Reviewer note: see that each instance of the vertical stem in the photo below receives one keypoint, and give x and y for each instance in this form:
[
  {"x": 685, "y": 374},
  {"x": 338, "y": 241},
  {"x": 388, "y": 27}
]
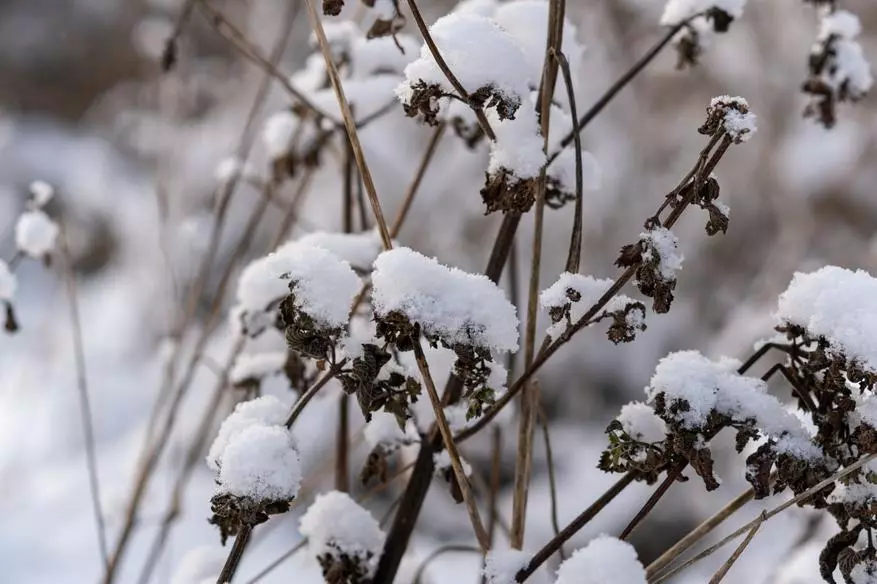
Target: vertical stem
[{"x": 237, "y": 552}]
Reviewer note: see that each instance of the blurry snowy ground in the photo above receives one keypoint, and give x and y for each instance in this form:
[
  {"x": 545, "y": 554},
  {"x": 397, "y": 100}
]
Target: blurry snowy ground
[{"x": 82, "y": 106}]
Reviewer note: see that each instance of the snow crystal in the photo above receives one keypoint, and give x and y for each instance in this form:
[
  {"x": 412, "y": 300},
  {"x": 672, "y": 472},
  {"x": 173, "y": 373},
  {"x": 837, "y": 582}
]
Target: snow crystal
[
  {"x": 480, "y": 54},
  {"x": 278, "y": 133},
  {"x": 35, "y": 233},
  {"x": 838, "y": 304},
  {"x": 678, "y": 11},
  {"x": 262, "y": 411},
  {"x": 8, "y": 282},
  {"x": 641, "y": 423},
  {"x": 458, "y": 307},
  {"x": 663, "y": 242},
  {"x": 256, "y": 366},
  {"x": 41, "y": 192},
  {"x": 324, "y": 287},
  {"x": 357, "y": 249},
  {"x": 589, "y": 289},
  {"x": 851, "y": 66},
  {"x": 383, "y": 431},
  {"x": 200, "y": 565},
  {"x": 501, "y": 565},
  {"x": 335, "y": 524},
  {"x": 605, "y": 559},
  {"x": 260, "y": 462},
  {"x": 709, "y": 386},
  {"x": 442, "y": 462}
]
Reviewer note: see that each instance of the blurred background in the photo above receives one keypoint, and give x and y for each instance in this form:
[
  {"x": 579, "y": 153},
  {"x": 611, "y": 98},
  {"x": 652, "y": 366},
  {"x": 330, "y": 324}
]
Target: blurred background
[{"x": 133, "y": 154}]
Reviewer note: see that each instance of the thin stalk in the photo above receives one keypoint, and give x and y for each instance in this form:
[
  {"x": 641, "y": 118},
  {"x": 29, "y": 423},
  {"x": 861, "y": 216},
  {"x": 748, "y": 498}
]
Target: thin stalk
[
  {"x": 574, "y": 257},
  {"x": 723, "y": 569},
  {"x": 524, "y": 463},
  {"x": 350, "y": 126},
  {"x": 552, "y": 482},
  {"x": 84, "y": 400},
  {"x": 312, "y": 391},
  {"x": 237, "y": 552},
  {"x": 425, "y": 161},
  {"x": 653, "y": 500},
  {"x": 453, "y": 453},
  {"x": 575, "y": 525}
]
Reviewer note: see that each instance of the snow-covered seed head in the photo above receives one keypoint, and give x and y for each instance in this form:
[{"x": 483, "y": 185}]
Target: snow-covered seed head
[{"x": 731, "y": 115}]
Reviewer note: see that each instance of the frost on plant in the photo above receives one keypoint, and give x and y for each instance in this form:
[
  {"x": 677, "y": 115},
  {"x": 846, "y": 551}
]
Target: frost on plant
[
  {"x": 731, "y": 115},
  {"x": 501, "y": 565},
  {"x": 604, "y": 559},
  {"x": 257, "y": 467},
  {"x": 700, "y": 20},
  {"x": 344, "y": 538},
  {"x": 838, "y": 69},
  {"x": 572, "y": 296},
  {"x": 467, "y": 313}
]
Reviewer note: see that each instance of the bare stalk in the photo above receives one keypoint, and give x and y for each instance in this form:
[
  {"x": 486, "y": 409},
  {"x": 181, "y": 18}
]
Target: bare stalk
[
  {"x": 408, "y": 199},
  {"x": 313, "y": 390},
  {"x": 723, "y": 569},
  {"x": 84, "y": 400}
]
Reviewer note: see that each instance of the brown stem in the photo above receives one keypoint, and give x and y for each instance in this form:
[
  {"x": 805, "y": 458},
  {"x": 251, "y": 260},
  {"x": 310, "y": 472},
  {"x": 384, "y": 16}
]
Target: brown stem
[
  {"x": 653, "y": 500},
  {"x": 723, "y": 569},
  {"x": 575, "y": 525},
  {"x": 312, "y": 391},
  {"x": 552, "y": 481},
  {"x": 235, "y": 555},
  {"x": 524, "y": 463},
  {"x": 574, "y": 257},
  {"x": 418, "y": 178}
]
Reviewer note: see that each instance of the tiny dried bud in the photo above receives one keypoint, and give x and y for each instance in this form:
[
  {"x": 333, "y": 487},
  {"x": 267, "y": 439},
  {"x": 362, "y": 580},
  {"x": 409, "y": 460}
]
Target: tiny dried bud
[{"x": 332, "y": 7}]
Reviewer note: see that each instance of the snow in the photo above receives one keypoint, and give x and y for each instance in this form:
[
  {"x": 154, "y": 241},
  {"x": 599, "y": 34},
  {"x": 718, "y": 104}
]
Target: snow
[
  {"x": 739, "y": 125},
  {"x": 278, "y": 133},
  {"x": 200, "y": 565},
  {"x": 256, "y": 366},
  {"x": 357, "y": 249},
  {"x": 709, "y": 386},
  {"x": 838, "y": 304},
  {"x": 501, "y": 565},
  {"x": 335, "y": 524},
  {"x": 35, "y": 233},
  {"x": 641, "y": 423},
  {"x": 605, "y": 559},
  {"x": 442, "y": 462},
  {"x": 8, "y": 282},
  {"x": 42, "y": 192},
  {"x": 383, "y": 431},
  {"x": 519, "y": 145},
  {"x": 664, "y": 243},
  {"x": 678, "y": 11},
  {"x": 590, "y": 289},
  {"x": 381, "y": 55},
  {"x": 260, "y": 463},
  {"x": 457, "y": 307},
  {"x": 480, "y": 54},
  {"x": 864, "y": 573},
  {"x": 563, "y": 169},
  {"x": 850, "y": 64},
  {"x": 484, "y": 8},
  {"x": 262, "y": 411},
  {"x": 324, "y": 287}
]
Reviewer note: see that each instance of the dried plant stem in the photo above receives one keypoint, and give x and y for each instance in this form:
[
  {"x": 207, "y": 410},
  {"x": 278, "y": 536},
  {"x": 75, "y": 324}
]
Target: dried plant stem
[
  {"x": 237, "y": 552},
  {"x": 453, "y": 453},
  {"x": 552, "y": 482},
  {"x": 408, "y": 199},
  {"x": 169, "y": 53},
  {"x": 84, "y": 400},
  {"x": 493, "y": 491},
  {"x": 574, "y": 257},
  {"x": 233, "y": 34},
  {"x": 312, "y": 391},
  {"x": 723, "y": 569},
  {"x": 570, "y": 530},
  {"x": 699, "y": 533},
  {"x": 704, "y": 167},
  {"x": 445, "y": 549},
  {"x": 768, "y": 515},
  {"x": 350, "y": 125},
  {"x": 524, "y": 463},
  {"x": 443, "y": 65},
  {"x": 616, "y": 87}
]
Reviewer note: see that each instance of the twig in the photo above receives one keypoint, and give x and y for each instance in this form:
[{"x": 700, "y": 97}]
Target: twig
[
  {"x": 570, "y": 530},
  {"x": 418, "y": 178},
  {"x": 313, "y": 390},
  {"x": 493, "y": 491},
  {"x": 699, "y": 533},
  {"x": 552, "y": 482},
  {"x": 454, "y": 455},
  {"x": 237, "y": 552},
  {"x": 662, "y": 489},
  {"x": 769, "y": 514},
  {"x": 574, "y": 257},
  {"x": 84, "y": 400},
  {"x": 723, "y": 570},
  {"x": 350, "y": 125},
  {"x": 443, "y": 66},
  {"x": 523, "y": 464}
]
